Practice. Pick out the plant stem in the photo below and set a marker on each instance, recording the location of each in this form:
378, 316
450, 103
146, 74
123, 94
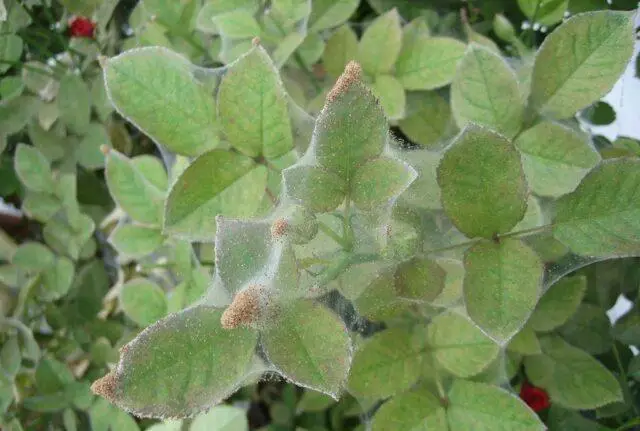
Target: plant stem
524, 232
331, 234
24, 294
623, 378
7, 246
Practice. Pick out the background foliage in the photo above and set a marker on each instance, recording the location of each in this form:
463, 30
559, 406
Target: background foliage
427, 275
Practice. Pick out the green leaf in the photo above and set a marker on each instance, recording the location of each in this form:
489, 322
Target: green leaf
391, 95
40, 206
310, 346
180, 366
560, 419
558, 304
56, 280
588, 329
33, 169
52, 144
313, 187
485, 91
544, 12
501, 286
481, 39
330, 13
591, 222
74, 103
341, 48
217, 182
424, 191
427, 119
143, 301
599, 114
152, 169
429, 64
379, 182
416, 410
221, 418
419, 279
133, 241
253, 109
10, 357
351, 129
413, 34
525, 342
169, 104
33, 257
459, 346
579, 62
387, 363
10, 50
237, 24
483, 407
384, 35
16, 113
242, 249
555, 158
88, 152
312, 401
137, 196
627, 329
482, 183
572, 377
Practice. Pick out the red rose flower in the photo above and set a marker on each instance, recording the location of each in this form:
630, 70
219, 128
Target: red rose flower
536, 398
81, 27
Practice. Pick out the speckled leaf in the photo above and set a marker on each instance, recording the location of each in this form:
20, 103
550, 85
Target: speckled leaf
217, 182
379, 182
310, 346
252, 107
242, 250
580, 61
482, 183
351, 129
502, 285
169, 104
180, 366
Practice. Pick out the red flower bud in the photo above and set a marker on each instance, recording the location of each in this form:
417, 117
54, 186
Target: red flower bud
536, 398
81, 27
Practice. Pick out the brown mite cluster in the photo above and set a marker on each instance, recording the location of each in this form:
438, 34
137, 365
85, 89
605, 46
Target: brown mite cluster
352, 73
105, 387
244, 309
279, 228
